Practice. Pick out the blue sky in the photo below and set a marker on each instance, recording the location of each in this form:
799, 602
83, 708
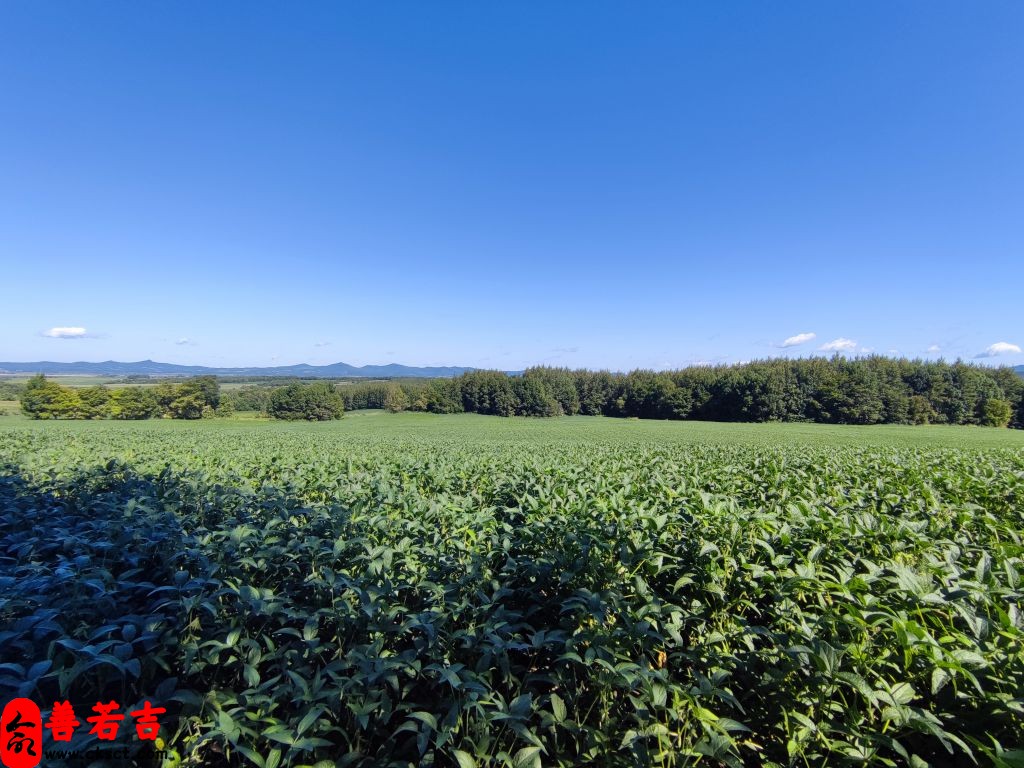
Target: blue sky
498, 185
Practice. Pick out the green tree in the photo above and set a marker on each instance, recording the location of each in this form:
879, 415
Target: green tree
164, 394
533, 398
133, 403
318, 401
862, 397
594, 390
444, 396
395, 399
560, 385
248, 398
206, 388
187, 406
363, 395
921, 410
45, 399
996, 412
94, 402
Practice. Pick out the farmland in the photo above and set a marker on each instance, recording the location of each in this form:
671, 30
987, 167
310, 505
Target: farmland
467, 590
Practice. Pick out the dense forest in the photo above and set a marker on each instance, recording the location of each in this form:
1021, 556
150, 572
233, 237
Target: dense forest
871, 390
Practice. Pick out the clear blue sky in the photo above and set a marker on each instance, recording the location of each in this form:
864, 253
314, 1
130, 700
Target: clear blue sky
502, 184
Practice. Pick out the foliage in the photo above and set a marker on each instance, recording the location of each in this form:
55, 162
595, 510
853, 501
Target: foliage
94, 402
318, 401
46, 399
872, 390
186, 406
534, 595
132, 403
370, 394
996, 412
10, 390
248, 398
395, 399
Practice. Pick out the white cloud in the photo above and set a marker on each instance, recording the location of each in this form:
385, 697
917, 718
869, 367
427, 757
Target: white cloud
934, 348
184, 340
322, 344
800, 338
1000, 348
866, 350
72, 332
838, 345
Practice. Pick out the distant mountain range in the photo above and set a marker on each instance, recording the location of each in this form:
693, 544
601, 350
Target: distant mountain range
304, 371
151, 368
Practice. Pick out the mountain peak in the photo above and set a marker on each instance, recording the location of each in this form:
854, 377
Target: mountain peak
153, 368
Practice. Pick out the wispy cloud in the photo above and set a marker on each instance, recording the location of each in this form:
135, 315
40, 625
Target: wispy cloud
934, 349
322, 344
184, 341
800, 338
66, 332
1000, 348
557, 353
838, 345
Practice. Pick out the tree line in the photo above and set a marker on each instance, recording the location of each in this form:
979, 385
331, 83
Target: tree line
195, 398
870, 390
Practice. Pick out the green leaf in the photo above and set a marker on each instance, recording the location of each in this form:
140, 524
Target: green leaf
527, 757
425, 717
310, 717
251, 755
558, 708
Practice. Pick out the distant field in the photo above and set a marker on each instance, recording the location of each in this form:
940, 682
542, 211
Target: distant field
473, 428
469, 590
226, 383
69, 381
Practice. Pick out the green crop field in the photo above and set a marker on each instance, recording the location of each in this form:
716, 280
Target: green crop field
465, 590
